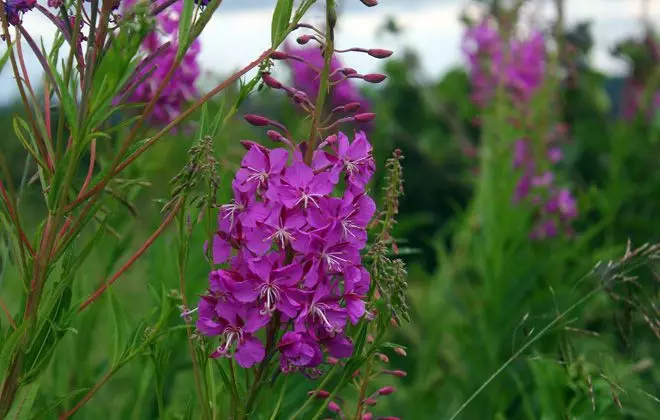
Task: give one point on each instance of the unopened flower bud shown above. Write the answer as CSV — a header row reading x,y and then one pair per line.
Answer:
x,y
400,351
299,97
279,55
374,77
352,106
304,39
370,3
270,81
249,144
333,361
367,416
348,71
256,120
274,135
320,394
379,53
355,374
370,339
334,407
365,117
383,358
370,401
386,390
331,139
389,418
397,373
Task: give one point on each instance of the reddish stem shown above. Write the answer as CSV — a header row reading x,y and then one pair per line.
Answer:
x,y
12,214
7,314
145,246
90,170
87,396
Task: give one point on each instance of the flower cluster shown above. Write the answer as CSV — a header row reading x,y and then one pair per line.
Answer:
x,y
14,10
306,64
161,46
518,64
293,250
555,207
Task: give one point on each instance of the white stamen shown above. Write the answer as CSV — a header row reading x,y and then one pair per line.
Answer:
x,y
333,260
272,294
317,310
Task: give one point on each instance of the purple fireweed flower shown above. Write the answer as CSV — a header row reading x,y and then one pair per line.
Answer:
x,y
350,215
325,253
306,76
258,168
283,225
298,351
518,63
321,311
354,159
14,9
272,286
356,287
555,208
301,187
292,252
181,86
238,323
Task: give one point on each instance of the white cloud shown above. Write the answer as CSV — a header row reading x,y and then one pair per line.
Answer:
x,y
235,37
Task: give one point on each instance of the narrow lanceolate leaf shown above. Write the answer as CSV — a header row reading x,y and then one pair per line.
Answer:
x,y
5,57
50,332
23,402
120,327
185,25
8,347
280,23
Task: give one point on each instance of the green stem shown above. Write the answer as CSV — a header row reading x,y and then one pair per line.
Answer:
x,y
330,18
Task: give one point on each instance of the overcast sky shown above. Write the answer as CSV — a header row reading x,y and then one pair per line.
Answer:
x,y
240,31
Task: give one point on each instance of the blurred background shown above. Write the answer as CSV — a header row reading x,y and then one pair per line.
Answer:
x,y
483,279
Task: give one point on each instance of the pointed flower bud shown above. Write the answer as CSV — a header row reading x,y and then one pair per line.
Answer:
x,y
352,107
320,394
386,390
370,401
400,351
270,81
397,373
367,416
257,120
279,55
274,135
365,117
334,407
374,77
379,53
304,39
370,3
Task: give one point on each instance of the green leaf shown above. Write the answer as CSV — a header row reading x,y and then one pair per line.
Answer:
x,y
51,330
280,24
119,324
58,402
23,403
5,57
8,347
185,24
